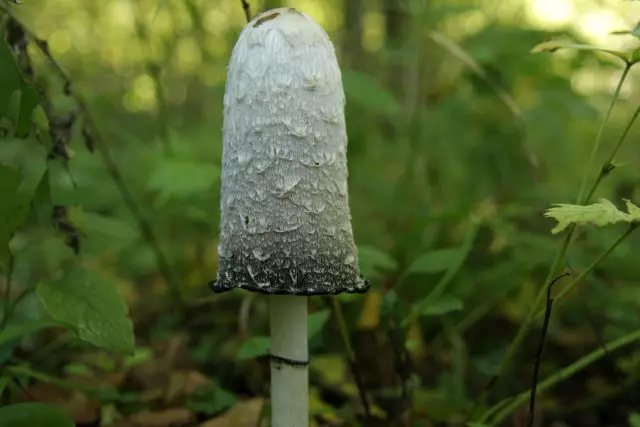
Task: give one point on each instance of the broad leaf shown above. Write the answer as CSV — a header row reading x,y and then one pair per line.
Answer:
x,y
434,261
12,84
316,322
14,206
372,261
439,306
254,347
90,305
175,179
367,93
600,214
14,332
33,414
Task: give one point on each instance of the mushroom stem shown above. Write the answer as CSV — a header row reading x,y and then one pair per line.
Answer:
x,y
289,380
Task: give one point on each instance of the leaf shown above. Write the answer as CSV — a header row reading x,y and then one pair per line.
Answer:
x,y
15,332
316,322
634,419
254,347
12,82
211,399
458,52
175,179
600,214
440,306
33,414
633,32
13,208
89,305
554,45
372,260
434,261
367,93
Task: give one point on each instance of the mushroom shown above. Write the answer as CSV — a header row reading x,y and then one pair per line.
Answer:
x,y
285,224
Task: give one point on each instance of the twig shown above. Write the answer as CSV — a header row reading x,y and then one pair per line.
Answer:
x,y
533,311
351,355
543,334
247,9
563,374
110,164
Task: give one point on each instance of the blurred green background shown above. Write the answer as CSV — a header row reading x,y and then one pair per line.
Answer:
x,y
459,139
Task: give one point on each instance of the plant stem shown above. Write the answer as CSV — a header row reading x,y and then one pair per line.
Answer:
x,y
289,361
593,265
566,373
533,311
596,144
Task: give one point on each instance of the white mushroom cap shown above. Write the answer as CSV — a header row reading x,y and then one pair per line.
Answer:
x,y
285,221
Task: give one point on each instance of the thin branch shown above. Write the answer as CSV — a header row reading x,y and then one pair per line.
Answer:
x,y
536,368
247,9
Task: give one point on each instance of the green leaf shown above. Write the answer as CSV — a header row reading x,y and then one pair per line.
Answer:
x,y
316,322
34,414
434,261
554,45
372,260
634,419
15,332
175,179
254,347
12,82
14,206
439,306
211,399
633,32
366,92
89,305
600,214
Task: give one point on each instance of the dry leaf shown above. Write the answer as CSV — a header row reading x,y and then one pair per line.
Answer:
x,y
175,417
243,414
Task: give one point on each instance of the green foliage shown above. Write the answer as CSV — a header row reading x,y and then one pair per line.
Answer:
x,y
17,98
211,399
179,179
438,306
600,214
89,305
449,120
434,261
554,45
33,414
14,207
364,91
373,262
316,322
254,347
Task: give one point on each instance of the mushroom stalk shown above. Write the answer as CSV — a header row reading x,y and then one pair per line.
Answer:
x,y
289,370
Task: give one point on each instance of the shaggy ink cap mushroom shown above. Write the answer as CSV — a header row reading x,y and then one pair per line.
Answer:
x,y
285,223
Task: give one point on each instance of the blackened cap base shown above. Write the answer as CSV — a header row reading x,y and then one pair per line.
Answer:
x,y
218,289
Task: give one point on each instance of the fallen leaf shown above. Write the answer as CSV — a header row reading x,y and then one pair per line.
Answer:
x,y
174,417
182,384
85,411
243,414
